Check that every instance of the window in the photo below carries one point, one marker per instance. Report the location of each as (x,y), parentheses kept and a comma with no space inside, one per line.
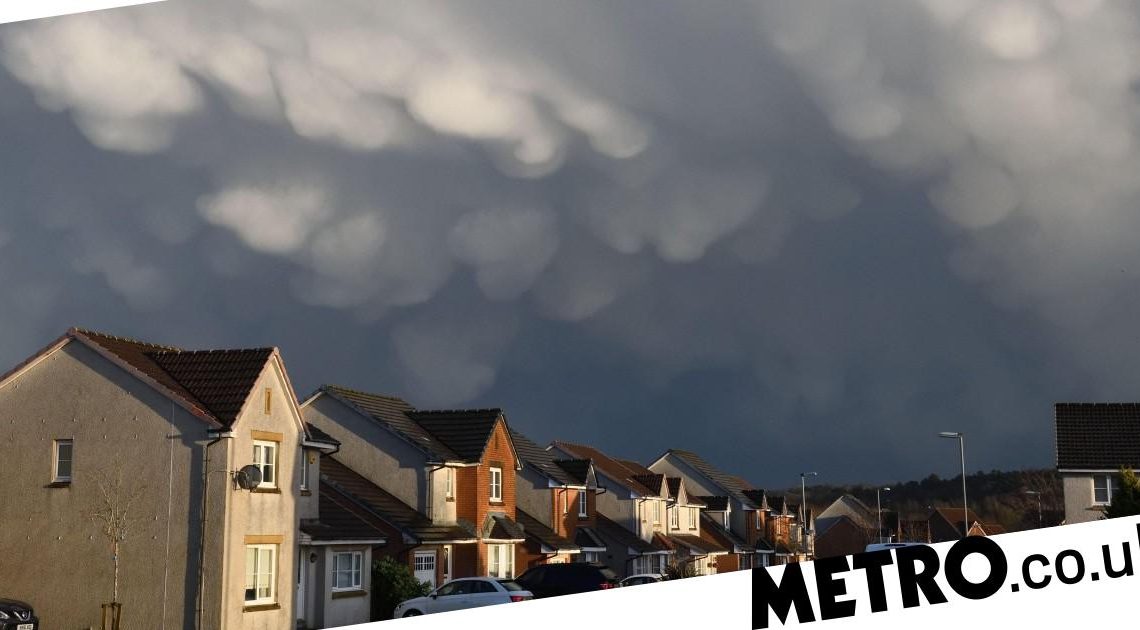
(565,502)
(693,518)
(61,467)
(304,470)
(265,458)
(674,517)
(260,574)
(496,484)
(1104,488)
(591,556)
(501,561)
(268,401)
(582,504)
(758,521)
(425,561)
(745,561)
(347,570)
(448,483)
(656,512)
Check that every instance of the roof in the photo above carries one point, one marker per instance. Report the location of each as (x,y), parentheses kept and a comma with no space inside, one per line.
(465,431)
(541,460)
(758,496)
(674,484)
(715,504)
(578,470)
(652,481)
(611,467)
(622,536)
(1097,436)
(732,485)
(391,412)
(535,530)
(716,530)
(953,515)
(380,503)
(694,544)
(340,520)
(586,538)
(636,467)
(215,382)
(501,527)
(317,435)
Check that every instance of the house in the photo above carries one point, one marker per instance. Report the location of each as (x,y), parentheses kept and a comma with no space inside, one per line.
(1094,441)
(845,527)
(627,500)
(948,524)
(747,512)
(446,478)
(556,507)
(978,528)
(205,447)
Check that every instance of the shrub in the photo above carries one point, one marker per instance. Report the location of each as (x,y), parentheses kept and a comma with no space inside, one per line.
(392,583)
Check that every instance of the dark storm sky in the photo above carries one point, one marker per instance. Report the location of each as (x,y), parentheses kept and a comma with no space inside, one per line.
(787,235)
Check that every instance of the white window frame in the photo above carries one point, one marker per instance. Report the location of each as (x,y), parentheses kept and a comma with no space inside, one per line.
(256,572)
(56,459)
(355,572)
(656,512)
(496,554)
(583,504)
(261,463)
(449,483)
(1108,487)
(565,502)
(304,470)
(693,518)
(496,481)
(675,517)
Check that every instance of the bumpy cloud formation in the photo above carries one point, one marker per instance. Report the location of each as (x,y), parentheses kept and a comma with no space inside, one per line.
(832,224)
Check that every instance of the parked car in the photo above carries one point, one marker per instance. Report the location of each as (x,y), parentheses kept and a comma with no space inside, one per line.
(15,615)
(642,578)
(548,580)
(464,593)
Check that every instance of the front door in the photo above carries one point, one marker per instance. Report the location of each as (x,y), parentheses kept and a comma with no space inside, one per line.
(425,567)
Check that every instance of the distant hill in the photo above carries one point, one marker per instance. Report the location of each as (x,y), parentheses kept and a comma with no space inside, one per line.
(996,496)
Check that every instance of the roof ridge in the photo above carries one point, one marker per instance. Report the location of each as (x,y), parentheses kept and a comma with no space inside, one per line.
(443,411)
(269,349)
(352,390)
(95,333)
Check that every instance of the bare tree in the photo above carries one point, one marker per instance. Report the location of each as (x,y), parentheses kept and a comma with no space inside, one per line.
(112,511)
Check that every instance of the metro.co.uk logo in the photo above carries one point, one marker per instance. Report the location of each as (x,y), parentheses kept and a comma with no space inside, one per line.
(973,568)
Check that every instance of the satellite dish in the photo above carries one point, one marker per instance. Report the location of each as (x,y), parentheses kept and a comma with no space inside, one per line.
(249,477)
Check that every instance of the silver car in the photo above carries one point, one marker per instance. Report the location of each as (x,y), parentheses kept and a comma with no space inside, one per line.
(464,593)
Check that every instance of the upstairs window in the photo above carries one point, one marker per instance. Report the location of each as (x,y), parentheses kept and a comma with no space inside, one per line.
(497,484)
(656,512)
(265,458)
(674,517)
(62,456)
(304,470)
(449,483)
(582,504)
(692,518)
(1104,488)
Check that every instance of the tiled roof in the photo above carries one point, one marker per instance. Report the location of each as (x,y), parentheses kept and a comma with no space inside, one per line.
(636,467)
(535,530)
(317,435)
(540,459)
(578,470)
(501,527)
(215,382)
(392,413)
(757,496)
(674,484)
(465,432)
(382,504)
(586,538)
(611,467)
(954,515)
(696,544)
(732,485)
(716,530)
(652,481)
(611,531)
(715,504)
(340,519)
(1097,436)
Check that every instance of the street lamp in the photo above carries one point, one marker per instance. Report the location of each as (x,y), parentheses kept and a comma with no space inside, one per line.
(803,508)
(961,453)
(879,506)
(1038,495)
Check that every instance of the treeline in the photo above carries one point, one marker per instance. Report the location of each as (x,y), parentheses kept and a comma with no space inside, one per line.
(996,496)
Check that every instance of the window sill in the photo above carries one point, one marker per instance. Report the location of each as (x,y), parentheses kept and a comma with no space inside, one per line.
(266,490)
(344,594)
(583,517)
(59,484)
(450,499)
(306,493)
(496,501)
(261,607)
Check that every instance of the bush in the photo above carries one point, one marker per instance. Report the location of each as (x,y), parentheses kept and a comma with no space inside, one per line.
(675,571)
(392,583)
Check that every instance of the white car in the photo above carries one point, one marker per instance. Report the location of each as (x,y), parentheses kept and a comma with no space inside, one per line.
(641,578)
(464,593)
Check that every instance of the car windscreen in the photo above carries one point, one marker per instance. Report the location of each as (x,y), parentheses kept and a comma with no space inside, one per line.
(511,585)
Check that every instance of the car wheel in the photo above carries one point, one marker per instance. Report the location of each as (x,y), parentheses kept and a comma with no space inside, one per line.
(413,613)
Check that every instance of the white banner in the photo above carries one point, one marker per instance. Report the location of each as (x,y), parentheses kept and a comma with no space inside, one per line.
(19,10)
(1072,576)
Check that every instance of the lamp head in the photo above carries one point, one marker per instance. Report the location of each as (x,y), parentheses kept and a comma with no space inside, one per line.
(950,434)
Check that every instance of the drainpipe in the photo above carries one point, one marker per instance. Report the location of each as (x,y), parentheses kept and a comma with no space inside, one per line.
(202,527)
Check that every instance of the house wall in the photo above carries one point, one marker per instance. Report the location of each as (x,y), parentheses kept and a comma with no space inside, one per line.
(263,516)
(842,539)
(699,485)
(345,607)
(567,521)
(1078,488)
(441,507)
(372,450)
(533,495)
(54,555)
(308,501)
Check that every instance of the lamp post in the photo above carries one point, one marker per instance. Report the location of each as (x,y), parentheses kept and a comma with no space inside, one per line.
(962,454)
(879,507)
(803,509)
(1038,495)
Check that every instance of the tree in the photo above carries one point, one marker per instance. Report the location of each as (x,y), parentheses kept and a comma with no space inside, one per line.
(392,583)
(1126,501)
(112,512)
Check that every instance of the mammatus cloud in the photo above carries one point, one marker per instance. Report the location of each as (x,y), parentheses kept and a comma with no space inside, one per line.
(853,220)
